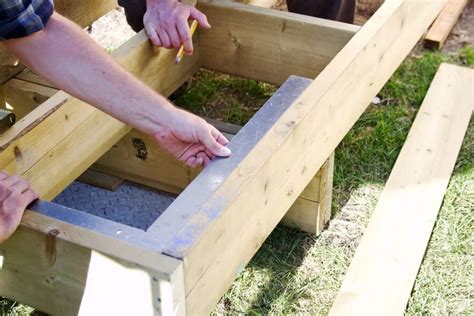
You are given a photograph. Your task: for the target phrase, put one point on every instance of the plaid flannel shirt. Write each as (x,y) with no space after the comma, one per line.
(19,18)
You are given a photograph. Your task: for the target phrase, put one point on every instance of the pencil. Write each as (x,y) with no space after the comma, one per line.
(192,28)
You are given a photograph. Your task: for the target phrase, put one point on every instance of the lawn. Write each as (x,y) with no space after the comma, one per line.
(295,272)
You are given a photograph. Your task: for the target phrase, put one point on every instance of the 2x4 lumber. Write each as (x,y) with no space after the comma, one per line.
(56,151)
(381,275)
(244,206)
(439,31)
(268,45)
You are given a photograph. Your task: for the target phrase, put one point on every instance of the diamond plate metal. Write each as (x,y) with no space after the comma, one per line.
(131,204)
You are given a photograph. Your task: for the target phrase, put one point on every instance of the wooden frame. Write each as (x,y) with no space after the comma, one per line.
(60,251)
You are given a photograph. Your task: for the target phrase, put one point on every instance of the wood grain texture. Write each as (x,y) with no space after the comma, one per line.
(268,45)
(312,210)
(444,23)
(24,96)
(100,180)
(78,134)
(157,169)
(61,269)
(247,204)
(382,273)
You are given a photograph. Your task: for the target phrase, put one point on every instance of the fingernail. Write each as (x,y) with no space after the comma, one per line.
(225,152)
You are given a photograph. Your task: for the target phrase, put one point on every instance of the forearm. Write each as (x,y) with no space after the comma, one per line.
(70,59)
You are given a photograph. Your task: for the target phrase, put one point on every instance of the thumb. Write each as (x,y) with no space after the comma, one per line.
(200,17)
(213,146)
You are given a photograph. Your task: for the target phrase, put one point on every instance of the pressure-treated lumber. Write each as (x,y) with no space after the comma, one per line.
(439,31)
(78,134)
(137,157)
(244,206)
(268,45)
(59,260)
(100,179)
(382,273)
(24,96)
(261,3)
(312,210)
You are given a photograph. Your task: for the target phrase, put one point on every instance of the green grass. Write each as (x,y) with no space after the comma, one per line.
(297,273)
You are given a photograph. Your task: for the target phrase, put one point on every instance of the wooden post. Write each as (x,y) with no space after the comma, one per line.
(312,210)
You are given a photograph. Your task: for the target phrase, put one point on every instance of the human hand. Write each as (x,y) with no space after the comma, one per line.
(15,195)
(192,140)
(166,23)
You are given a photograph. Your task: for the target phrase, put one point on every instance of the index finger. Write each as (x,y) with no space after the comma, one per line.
(185,36)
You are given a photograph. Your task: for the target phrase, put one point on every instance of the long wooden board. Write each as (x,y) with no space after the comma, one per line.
(79,134)
(246,204)
(61,263)
(268,45)
(382,273)
(137,157)
(439,31)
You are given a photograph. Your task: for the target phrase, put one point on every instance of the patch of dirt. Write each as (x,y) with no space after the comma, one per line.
(463,33)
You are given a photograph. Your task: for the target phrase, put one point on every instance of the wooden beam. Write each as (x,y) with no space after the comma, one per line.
(312,210)
(235,211)
(100,180)
(381,275)
(137,157)
(261,3)
(84,12)
(444,23)
(268,45)
(78,134)
(24,96)
(57,262)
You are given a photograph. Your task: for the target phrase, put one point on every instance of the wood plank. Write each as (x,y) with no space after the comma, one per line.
(268,45)
(24,96)
(48,263)
(250,200)
(78,134)
(30,76)
(444,23)
(84,12)
(151,166)
(137,157)
(312,210)
(382,273)
(100,180)
(261,3)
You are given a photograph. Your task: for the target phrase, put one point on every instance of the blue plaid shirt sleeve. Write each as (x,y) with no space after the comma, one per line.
(19,18)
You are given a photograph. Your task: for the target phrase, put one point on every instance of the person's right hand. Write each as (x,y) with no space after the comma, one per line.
(166,23)
(191,139)
(15,195)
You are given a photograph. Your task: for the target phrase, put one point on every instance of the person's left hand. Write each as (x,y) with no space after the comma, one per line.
(166,23)
(15,195)
(192,140)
